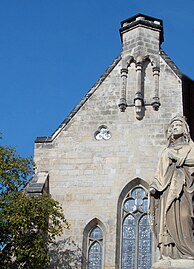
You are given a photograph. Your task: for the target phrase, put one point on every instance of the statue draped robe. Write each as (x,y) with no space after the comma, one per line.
(171,207)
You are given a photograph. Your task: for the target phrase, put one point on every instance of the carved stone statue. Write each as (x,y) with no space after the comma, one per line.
(171,194)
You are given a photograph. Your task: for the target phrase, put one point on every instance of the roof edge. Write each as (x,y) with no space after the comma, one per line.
(49,139)
(171,64)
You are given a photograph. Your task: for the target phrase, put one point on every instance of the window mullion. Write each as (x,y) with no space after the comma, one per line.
(137,244)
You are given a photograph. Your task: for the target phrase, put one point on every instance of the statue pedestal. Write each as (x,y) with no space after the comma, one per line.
(174,264)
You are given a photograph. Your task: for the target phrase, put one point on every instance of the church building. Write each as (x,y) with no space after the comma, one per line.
(100,161)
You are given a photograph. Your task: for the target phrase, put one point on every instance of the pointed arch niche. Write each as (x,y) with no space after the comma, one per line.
(93,245)
(134,237)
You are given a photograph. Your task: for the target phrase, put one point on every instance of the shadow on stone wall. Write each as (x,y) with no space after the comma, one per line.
(65,254)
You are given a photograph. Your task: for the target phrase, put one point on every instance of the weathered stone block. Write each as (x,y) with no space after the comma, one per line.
(174,264)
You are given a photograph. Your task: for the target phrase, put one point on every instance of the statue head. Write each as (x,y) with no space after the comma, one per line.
(177,128)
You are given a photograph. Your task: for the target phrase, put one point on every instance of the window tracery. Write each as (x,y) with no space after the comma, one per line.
(95,246)
(136,233)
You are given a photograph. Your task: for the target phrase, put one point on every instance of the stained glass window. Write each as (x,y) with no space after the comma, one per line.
(136,234)
(95,248)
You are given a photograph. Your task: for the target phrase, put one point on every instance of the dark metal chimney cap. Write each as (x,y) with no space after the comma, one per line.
(142,20)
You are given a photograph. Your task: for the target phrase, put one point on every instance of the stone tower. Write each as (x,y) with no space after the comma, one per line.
(100,161)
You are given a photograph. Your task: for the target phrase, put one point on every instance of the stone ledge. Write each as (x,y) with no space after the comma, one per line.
(174,264)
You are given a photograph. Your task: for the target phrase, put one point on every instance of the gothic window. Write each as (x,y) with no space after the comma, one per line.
(95,245)
(136,234)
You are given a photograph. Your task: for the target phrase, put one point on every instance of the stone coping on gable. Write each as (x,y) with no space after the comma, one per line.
(49,139)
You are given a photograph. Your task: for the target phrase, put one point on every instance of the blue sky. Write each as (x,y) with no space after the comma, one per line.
(53,51)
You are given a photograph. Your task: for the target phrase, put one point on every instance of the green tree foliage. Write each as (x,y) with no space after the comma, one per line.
(28,224)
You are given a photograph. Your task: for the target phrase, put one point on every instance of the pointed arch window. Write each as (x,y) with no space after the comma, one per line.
(136,233)
(95,245)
